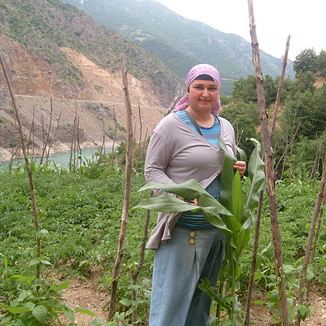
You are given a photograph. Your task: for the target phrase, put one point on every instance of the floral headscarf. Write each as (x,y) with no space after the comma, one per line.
(201,69)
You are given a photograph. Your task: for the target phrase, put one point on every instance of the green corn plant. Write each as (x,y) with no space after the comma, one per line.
(234,215)
(242,208)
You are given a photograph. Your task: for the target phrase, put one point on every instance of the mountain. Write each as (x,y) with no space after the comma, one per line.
(45,26)
(64,68)
(179,42)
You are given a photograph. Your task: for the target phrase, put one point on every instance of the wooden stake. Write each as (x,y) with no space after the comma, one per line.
(128,171)
(28,169)
(270,175)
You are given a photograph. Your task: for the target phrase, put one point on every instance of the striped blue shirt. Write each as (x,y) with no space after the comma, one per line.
(196,220)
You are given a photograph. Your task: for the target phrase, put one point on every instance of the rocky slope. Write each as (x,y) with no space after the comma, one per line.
(51,111)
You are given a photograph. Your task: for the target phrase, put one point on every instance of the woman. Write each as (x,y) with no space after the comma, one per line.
(184,146)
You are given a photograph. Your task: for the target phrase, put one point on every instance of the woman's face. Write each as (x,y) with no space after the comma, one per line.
(203,95)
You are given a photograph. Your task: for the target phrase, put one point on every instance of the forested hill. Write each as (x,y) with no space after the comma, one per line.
(179,42)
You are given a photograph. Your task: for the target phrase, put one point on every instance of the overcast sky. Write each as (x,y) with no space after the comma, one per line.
(275,20)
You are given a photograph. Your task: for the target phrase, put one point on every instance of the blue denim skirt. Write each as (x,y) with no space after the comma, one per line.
(179,266)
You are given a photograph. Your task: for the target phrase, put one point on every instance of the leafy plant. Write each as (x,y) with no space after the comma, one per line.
(30,300)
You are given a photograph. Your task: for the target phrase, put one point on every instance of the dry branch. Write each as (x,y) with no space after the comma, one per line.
(128,171)
(270,175)
(28,169)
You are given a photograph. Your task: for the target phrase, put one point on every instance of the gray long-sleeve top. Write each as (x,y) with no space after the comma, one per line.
(176,154)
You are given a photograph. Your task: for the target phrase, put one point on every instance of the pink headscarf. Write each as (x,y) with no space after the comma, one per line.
(201,69)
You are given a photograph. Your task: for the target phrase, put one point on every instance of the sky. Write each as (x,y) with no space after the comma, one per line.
(303,21)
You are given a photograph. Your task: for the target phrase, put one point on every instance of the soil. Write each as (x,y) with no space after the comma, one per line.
(88,295)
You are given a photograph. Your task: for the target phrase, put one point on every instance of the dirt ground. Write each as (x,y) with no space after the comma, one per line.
(87,295)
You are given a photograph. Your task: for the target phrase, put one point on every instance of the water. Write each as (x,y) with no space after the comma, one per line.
(61,159)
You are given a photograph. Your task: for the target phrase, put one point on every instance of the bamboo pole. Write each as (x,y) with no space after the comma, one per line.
(128,171)
(270,175)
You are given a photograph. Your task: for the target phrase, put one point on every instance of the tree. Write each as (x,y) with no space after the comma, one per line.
(305,61)
(270,90)
(245,120)
(321,63)
(306,81)
(309,110)
(245,89)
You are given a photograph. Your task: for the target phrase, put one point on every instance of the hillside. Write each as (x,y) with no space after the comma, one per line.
(55,53)
(52,50)
(179,42)
(95,107)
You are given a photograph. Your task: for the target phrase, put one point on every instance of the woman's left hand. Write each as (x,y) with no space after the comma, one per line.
(241,167)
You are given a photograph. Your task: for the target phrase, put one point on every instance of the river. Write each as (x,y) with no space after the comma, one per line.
(61,159)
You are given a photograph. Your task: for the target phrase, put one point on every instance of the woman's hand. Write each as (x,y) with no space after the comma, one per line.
(241,167)
(193,201)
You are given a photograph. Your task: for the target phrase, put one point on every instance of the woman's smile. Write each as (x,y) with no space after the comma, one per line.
(203,93)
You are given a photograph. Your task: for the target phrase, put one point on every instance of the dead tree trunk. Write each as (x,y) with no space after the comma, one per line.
(270,175)
(128,171)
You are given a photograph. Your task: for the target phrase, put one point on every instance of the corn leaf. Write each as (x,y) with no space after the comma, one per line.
(211,208)
(237,198)
(167,204)
(256,175)
(242,154)
(227,177)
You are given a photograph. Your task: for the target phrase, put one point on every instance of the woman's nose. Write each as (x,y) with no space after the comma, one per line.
(205,92)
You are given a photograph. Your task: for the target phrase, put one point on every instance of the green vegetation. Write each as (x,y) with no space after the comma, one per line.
(80,210)
(80,217)
(299,139)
